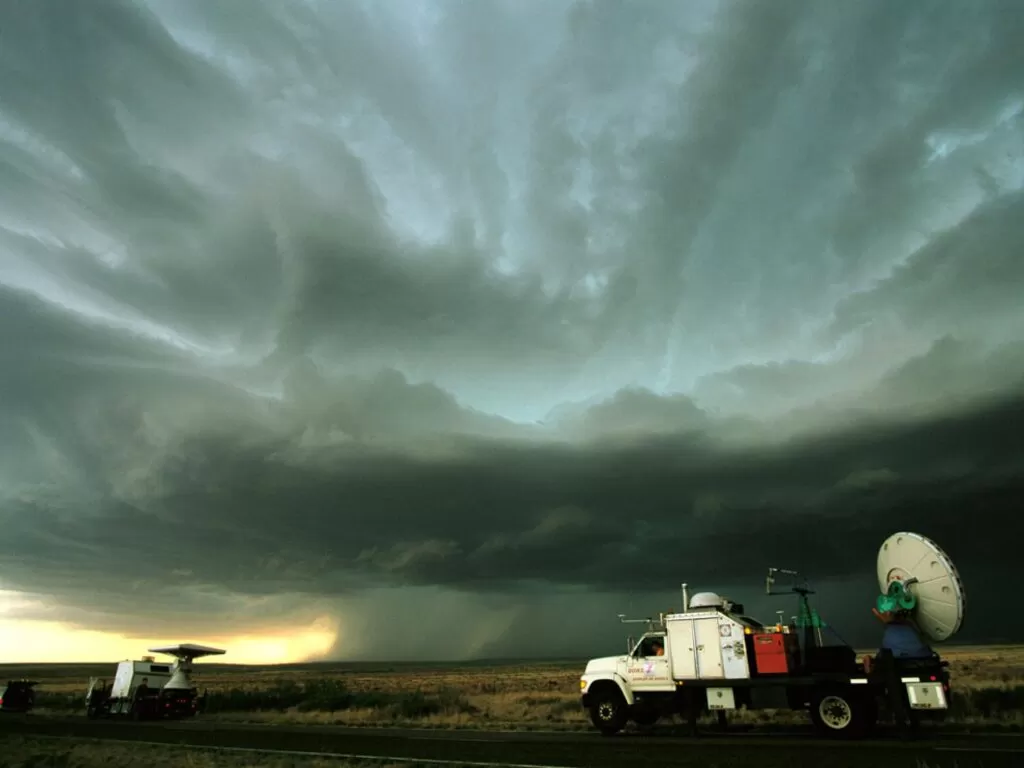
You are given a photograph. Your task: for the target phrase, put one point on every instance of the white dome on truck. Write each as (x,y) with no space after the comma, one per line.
(707,600)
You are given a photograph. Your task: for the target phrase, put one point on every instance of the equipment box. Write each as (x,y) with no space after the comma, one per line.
(775,653)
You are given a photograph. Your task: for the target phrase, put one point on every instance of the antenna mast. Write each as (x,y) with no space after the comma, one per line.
(808,618)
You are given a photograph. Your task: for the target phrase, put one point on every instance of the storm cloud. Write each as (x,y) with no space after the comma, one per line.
(515,315)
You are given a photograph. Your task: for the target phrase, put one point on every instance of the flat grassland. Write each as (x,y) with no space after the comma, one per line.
(988,683)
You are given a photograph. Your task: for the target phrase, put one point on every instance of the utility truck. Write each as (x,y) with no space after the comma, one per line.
(711,657)
(146,689)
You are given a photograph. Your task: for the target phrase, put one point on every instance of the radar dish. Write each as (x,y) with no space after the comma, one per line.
(188,650)
(915,574)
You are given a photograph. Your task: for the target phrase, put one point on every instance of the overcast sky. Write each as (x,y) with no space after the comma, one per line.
(452,329)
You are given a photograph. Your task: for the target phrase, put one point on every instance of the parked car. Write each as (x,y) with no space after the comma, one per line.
(18,696)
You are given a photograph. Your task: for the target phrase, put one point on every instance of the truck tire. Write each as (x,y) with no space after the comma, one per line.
(608,710)
(841,712)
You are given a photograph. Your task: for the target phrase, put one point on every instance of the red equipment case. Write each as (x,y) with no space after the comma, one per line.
(775,653)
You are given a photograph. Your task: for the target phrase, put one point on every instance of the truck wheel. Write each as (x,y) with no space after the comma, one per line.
(608,711)
(841,713)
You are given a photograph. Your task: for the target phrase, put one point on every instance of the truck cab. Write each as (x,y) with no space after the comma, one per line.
(618,688)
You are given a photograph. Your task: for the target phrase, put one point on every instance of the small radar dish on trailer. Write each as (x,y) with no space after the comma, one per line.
(916,577)
(185,653)
(188,651)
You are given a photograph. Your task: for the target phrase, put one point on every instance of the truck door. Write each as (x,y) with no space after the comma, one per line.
(684,655)
(646,670)
(709,648)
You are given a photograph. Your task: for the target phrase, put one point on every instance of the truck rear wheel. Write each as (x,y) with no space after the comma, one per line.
(841,712)
(608,710)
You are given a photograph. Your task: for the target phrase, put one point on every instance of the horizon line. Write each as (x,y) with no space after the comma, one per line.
(480,660)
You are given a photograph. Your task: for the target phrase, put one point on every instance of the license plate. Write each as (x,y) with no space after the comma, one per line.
(926,696)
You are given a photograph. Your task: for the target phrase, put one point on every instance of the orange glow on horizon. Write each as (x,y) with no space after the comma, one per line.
(31,641)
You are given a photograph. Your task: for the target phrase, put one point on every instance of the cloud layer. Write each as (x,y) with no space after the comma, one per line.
(520,311)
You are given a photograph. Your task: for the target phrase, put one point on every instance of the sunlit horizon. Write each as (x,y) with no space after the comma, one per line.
(24,641)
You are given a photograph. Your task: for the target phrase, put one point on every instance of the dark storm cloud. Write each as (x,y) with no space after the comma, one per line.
(266,515)
(517,311)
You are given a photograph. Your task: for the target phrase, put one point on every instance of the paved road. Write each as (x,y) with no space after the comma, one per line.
(551,750)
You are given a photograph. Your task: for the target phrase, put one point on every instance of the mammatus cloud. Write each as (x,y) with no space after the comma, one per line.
(343,310)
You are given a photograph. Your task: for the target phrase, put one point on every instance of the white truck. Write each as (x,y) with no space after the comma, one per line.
(712,657)
(146,689)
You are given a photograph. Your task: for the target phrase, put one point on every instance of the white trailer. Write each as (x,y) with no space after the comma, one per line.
(711,657)
(146,689)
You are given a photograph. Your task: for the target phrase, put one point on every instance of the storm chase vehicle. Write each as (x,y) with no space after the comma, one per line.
(144,689)
(711,657)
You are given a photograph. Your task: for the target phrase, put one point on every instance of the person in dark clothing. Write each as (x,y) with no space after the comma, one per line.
(900,642)
(901,636)
(140,705)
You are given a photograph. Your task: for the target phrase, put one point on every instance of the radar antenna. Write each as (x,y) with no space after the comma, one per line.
(917,579)
(181,675)
(808,618)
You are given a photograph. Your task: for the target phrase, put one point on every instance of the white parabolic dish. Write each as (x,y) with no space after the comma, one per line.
(938,589)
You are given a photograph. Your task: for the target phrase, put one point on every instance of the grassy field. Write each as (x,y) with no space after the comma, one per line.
(988,692)
(63,753)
